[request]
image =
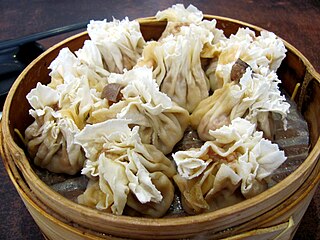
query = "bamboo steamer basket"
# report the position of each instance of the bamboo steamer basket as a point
(273, 214)
(280, 223)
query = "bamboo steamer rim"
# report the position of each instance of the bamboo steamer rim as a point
(238, 209)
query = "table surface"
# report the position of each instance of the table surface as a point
(297, 22)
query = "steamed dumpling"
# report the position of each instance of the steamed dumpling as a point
(238, 157)
(215, 111)
(253, 98)
(50, 138)
(61, 109)
(124, 166)
(177, 66)
(119, 42)
(161, 121)
(177, 58)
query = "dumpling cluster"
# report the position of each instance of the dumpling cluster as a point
(116, 108)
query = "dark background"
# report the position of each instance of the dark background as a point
(297, 22)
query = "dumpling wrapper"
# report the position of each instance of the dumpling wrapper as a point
(259, 52)
(178, 13)
(90, 55)
(67, 66)
(42, 96)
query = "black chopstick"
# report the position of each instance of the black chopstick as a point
(41, 35)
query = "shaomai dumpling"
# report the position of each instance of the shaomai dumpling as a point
(176, 57)
(62, 108)
(119, 42)
(125, 174)
(50, 138)
(161, 121)
(231, 167)
(254, 97)
(177, 67)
